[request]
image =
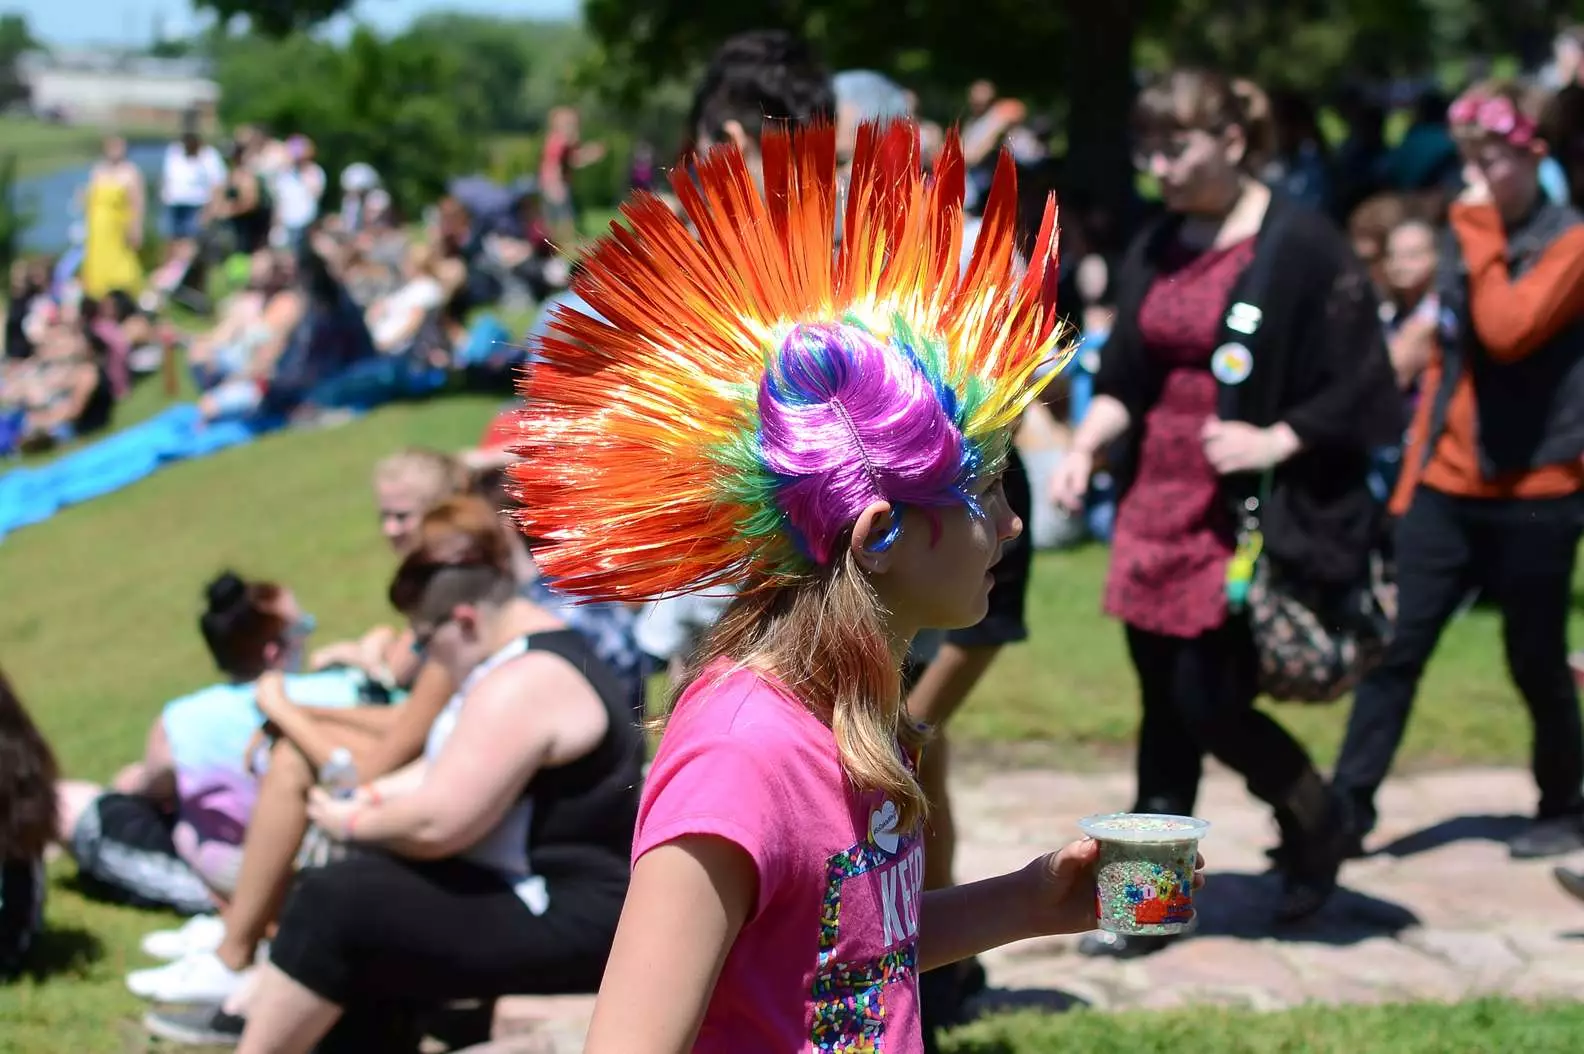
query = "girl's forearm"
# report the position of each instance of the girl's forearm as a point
(962, 921)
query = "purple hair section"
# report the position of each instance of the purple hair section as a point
(845, 420)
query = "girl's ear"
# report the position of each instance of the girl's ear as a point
(872, 536)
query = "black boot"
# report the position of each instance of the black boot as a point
(1353, 819)
(1315, 841)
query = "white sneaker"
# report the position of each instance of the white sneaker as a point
(201, 933)
(197, 978)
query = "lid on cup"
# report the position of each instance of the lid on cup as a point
(1143, 827)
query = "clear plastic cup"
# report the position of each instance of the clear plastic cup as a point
(1144, 880)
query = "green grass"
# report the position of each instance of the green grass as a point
(98, 630)
(1486, 1026)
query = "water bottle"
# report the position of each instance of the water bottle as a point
(339, 774)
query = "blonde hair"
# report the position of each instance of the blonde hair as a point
(825, 640)
(437, 474)
(1199, 100)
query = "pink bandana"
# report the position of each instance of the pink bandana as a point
(1495, 115)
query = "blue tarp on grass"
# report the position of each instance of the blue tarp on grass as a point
(33, 495)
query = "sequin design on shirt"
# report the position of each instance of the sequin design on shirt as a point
(849, 1013)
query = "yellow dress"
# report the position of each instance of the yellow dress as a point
(109, 261)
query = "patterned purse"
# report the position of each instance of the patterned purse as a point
(1315, 643)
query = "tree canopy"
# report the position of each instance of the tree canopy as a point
(405, 105)
(276, 18)
(1078, 60)
(931, 43)
(15, 38)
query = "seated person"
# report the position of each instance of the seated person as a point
(330, 338)
(29, 283)
(62, 392)
(407, 484)
(495, 864)
(211, 962)
(168, 833)
(137, 330)
(27, 826)
(227, 346)
(465, 263)
(394, 320)
(236, 366)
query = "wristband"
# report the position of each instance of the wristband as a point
(351, 825)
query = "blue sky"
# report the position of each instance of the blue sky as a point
(79, 22)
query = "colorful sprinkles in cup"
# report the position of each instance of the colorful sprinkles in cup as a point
(1144, 879)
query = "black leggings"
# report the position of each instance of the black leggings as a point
(376, 928)
(1198, 696)
(1522, 553)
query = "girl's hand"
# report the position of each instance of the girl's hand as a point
(1062, 888)
(333, 816)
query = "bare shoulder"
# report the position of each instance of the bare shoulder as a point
(544, 691)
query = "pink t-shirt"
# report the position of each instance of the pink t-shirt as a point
(825, 961)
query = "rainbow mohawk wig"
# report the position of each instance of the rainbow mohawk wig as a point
(754, 389)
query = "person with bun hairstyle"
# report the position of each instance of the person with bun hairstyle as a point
(210, 961)
(1210, 406)
(1492, 485)
(497, 862)
(168, 833)
(28, 820)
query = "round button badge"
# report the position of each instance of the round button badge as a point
(1231, 364)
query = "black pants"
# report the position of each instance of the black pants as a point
(1522, 554)
(375, 928)
(1198, 695)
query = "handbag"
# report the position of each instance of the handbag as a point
(1314, 642)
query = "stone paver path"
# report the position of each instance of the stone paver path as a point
(1438, 911)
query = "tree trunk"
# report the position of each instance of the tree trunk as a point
(1100, 87)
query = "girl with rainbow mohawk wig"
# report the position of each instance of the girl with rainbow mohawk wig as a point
(824, 431)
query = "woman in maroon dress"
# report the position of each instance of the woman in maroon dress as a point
(1245, 343)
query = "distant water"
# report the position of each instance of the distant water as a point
(49, 198)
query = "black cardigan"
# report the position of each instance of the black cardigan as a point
(1319, 363)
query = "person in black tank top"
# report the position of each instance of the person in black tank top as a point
(496, 864)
